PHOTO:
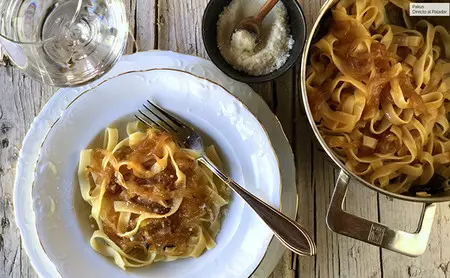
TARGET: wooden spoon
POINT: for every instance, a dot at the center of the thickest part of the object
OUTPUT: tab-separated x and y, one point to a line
253	24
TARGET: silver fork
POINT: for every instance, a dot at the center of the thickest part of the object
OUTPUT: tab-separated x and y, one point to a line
289	232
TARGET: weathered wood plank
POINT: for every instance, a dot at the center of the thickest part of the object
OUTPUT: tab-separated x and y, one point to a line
284	92
265	90
283	107
304	156
327	258
180	25
340	256
311	9
130	6
305	186
145	20
21	100
435	261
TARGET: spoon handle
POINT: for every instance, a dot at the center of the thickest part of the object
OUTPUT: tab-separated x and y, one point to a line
265	9
289	232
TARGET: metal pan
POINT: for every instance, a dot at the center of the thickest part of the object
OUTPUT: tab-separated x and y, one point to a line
342	222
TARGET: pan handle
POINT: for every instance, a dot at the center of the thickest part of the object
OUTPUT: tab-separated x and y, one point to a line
341	222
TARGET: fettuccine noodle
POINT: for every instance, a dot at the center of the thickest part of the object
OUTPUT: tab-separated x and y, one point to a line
378	86
151	201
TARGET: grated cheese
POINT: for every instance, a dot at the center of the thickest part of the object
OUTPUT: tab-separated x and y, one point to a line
241	50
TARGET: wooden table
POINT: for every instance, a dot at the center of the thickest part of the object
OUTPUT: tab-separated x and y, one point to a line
176	25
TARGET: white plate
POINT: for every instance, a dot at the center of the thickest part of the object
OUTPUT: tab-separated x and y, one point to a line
159	59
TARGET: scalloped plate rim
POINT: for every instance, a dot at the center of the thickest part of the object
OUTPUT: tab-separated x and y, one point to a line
131	59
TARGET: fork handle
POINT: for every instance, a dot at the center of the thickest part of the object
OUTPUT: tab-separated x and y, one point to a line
289	232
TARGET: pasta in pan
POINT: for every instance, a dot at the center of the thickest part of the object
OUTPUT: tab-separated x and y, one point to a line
378	86
150	199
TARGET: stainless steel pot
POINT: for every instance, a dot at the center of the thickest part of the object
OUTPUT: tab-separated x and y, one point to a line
342	222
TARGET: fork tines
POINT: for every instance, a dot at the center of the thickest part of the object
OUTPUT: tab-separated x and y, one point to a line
154	115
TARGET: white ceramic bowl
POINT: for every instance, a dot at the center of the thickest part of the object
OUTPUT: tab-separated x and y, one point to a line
62	217
23	209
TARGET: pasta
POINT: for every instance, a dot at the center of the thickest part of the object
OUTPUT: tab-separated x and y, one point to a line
150	199
378	86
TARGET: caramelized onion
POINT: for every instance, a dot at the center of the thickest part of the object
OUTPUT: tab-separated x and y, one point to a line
340	142
375	87
405	83
316	99
168	235
390	121
388	143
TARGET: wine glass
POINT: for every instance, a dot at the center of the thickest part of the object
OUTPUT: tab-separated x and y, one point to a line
63	43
